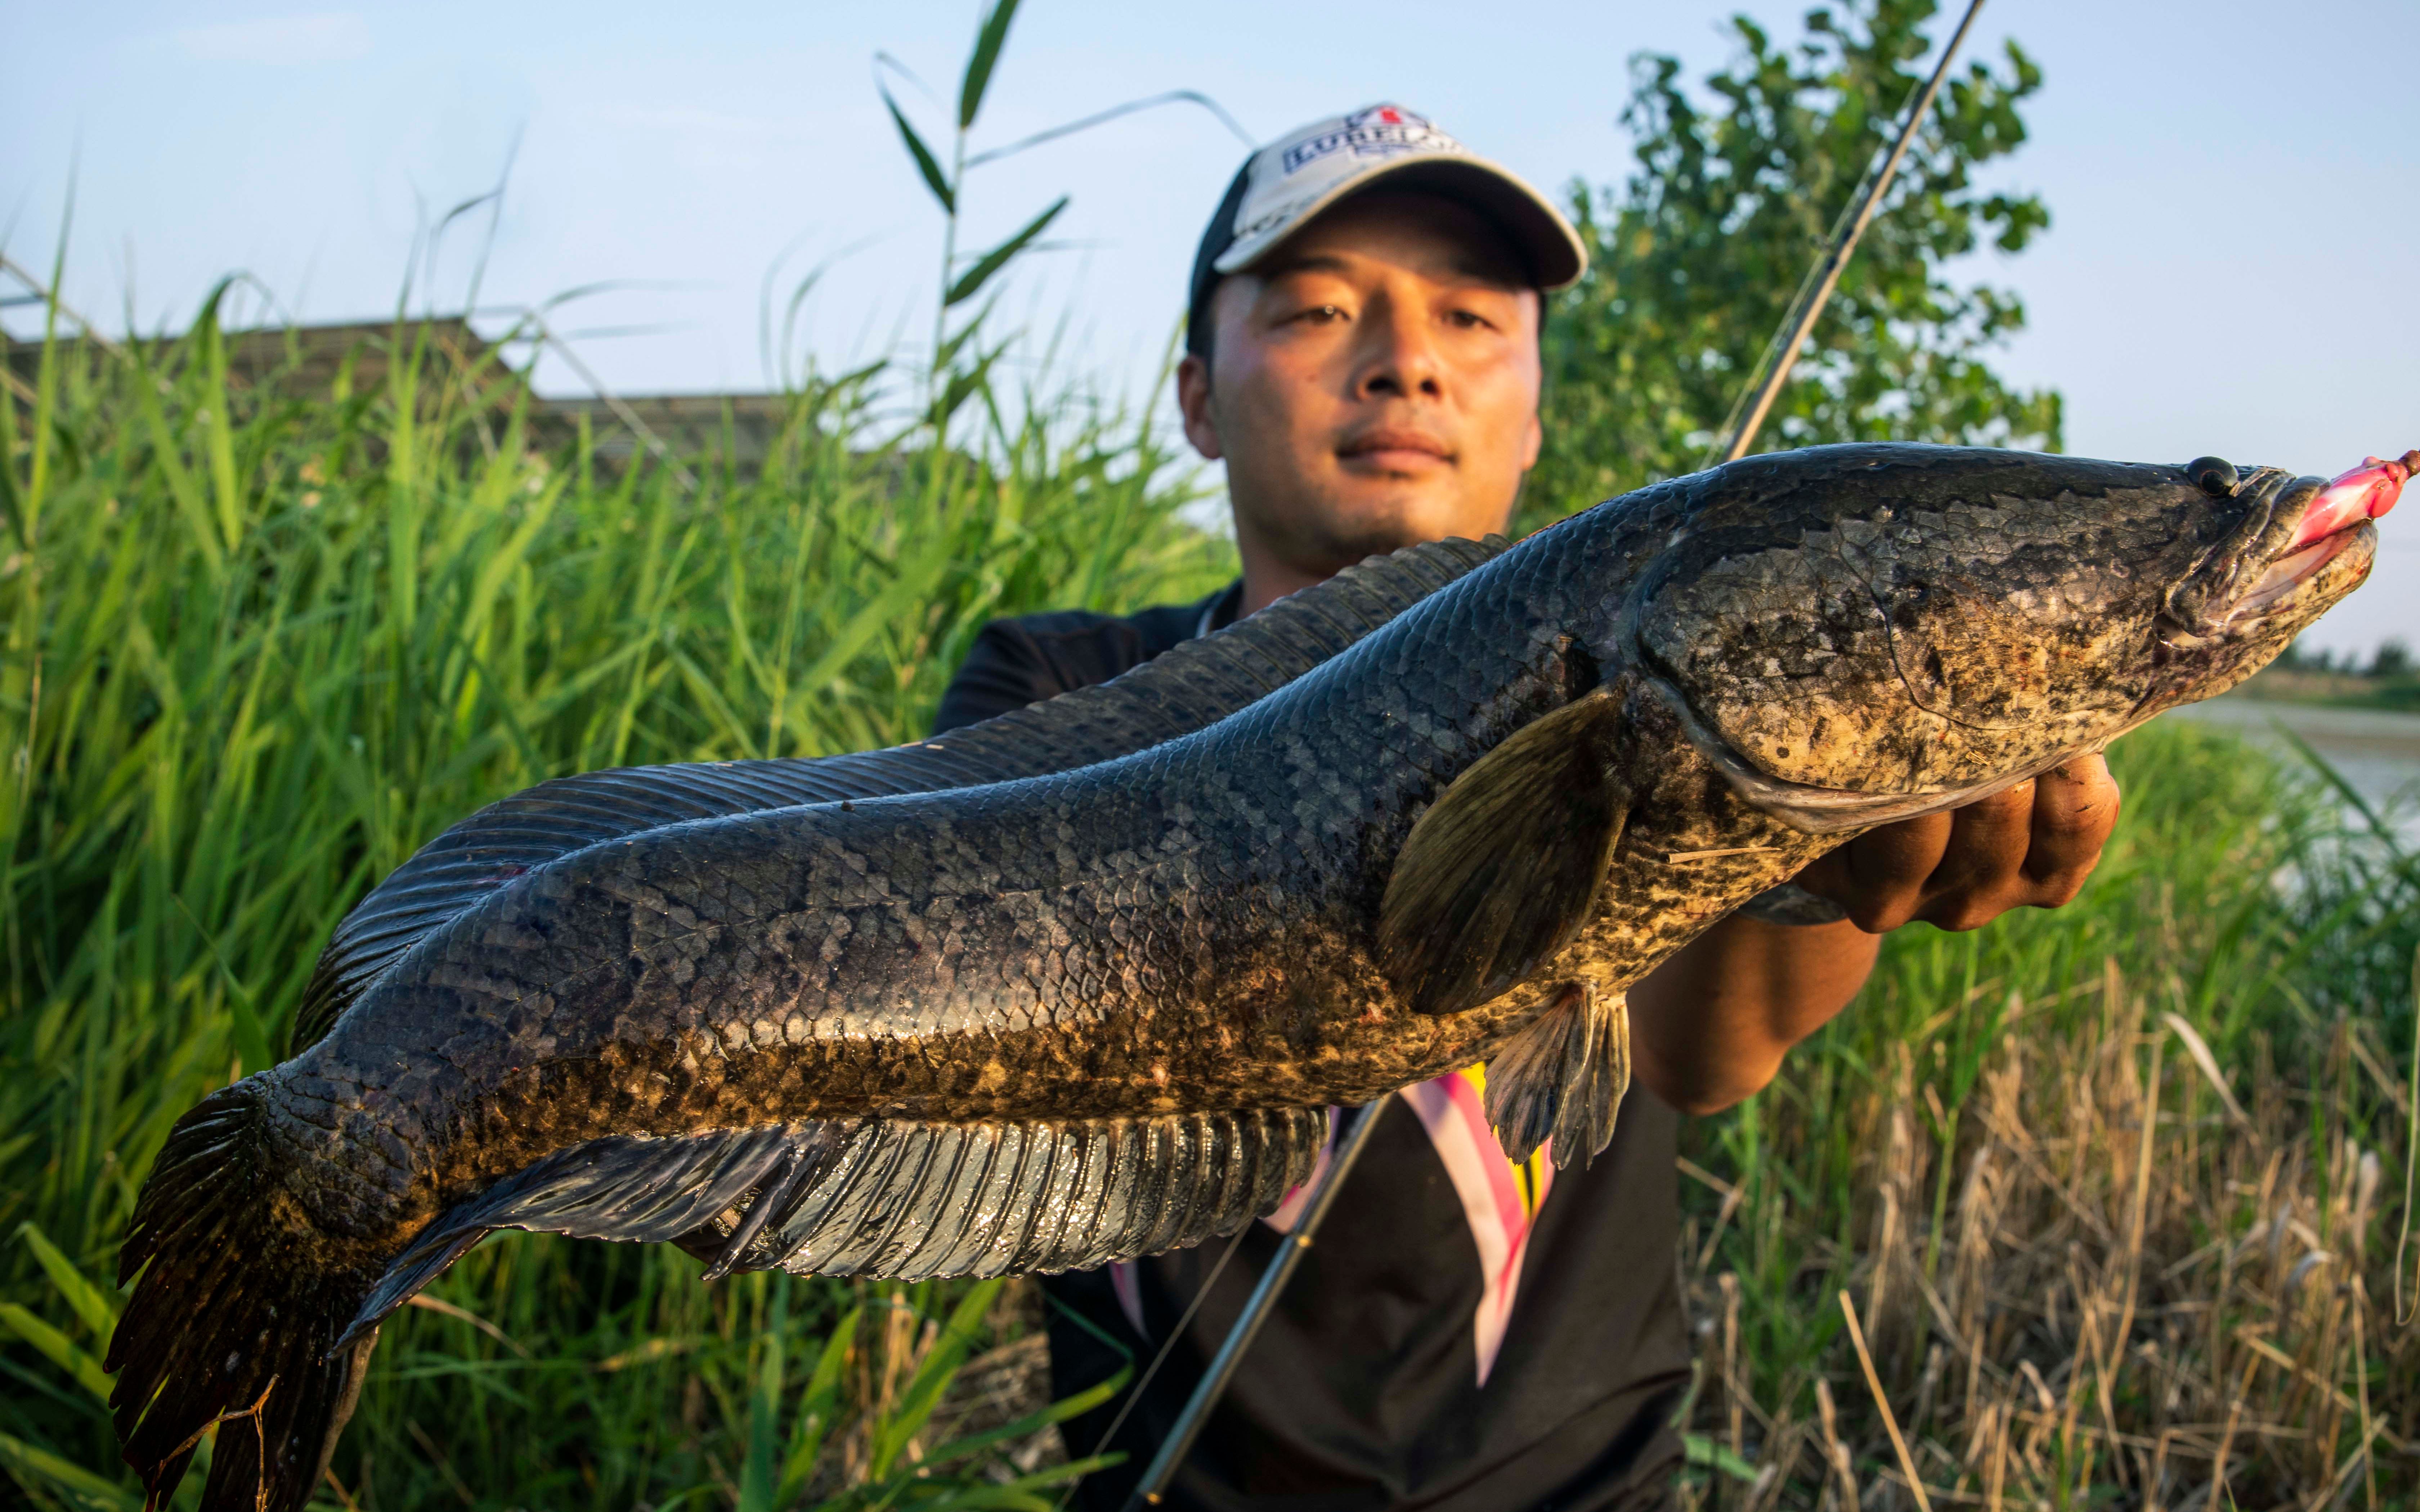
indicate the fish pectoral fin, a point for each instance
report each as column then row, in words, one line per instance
column 1505, row 867
column 1563, row 1076
column 893, row 1198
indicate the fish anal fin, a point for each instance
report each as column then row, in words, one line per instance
column 1562, row 1077
column 1504, row 868
column 809, row 1158
column 899, row 1198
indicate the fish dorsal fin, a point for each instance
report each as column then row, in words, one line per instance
column 897, row 1198
column 1197, row 684
column 1504, row 868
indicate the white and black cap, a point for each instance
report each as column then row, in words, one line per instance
column 1282, row 186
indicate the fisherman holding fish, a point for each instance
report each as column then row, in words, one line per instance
column 1080, row 985
column 1362, row 353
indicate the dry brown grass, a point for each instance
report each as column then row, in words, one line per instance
column 2142, row 1291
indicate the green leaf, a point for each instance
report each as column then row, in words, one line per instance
column 218, row 431
column 986, row 1498
column 252, row 1043
column 57, row 1347
column 1705, row 1452
column 168, row 454
column 41, row 1470
column 962, row 385
column 979, row 66
column 940, row 1366
column 816, row 1411
column 91, row 1303
column 930, row 166
column 756, row 1477
column 996, row 259
column 1058, row 1412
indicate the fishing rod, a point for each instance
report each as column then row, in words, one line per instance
column 1152, row 1488
column 1780, row 356
column 1815, row 291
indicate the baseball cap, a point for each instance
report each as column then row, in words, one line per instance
column 1282, row 186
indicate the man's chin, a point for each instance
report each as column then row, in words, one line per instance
column 1350, row 530
column 1327, row 528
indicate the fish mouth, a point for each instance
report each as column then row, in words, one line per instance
column 2304, row 544
column 2333, row 525
column 2336, row 523
column 2285, row 585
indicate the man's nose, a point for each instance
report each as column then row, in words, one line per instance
column 1401, row 358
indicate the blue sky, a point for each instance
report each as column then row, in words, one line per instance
column 2233, row 266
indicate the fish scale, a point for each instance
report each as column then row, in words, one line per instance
column 1080, row 982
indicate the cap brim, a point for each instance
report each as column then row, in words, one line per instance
column 1556, row 255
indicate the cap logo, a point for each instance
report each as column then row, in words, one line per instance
column 1309, row 169
column 1380, row 131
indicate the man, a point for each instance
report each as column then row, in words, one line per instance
column 1363, row 357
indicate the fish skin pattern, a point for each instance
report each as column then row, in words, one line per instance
column 863, row 1019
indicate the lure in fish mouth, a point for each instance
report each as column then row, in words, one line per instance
column 1079, row 983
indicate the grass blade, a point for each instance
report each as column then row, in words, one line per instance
column 980, row 64
column 38, row 1471
column 924, row 1392
column 91, row 1306
column 818, row 1409
column 993, row 261
column 757, row 1482
column 57, row 1347
column 926, row 164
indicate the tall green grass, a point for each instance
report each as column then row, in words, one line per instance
column 261, row 645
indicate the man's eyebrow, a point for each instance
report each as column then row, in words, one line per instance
column 1477, row 268
column 1489, row 271
column 1308, row 262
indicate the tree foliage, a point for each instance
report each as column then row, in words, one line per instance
column 1735, row 189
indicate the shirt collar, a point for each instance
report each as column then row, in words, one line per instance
column 1219, row 610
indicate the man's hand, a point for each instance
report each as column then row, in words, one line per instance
column 1710, row 1025
column 2031, row 847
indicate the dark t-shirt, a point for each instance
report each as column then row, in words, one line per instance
column 1466, row 1334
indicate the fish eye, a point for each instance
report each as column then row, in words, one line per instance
column 2213, row 475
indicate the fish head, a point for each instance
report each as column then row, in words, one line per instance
column 1858, row 634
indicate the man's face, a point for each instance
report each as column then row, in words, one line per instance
column 1373, row 384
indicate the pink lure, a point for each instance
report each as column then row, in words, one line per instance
column 2367, row 492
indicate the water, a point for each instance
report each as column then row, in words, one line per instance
column 2377, row 752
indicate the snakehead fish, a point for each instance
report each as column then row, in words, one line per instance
column 1079, row 983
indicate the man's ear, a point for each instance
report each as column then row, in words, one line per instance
column 1533, row 439
column 1193, row 401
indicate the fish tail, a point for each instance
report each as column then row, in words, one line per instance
column 233, row 1320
